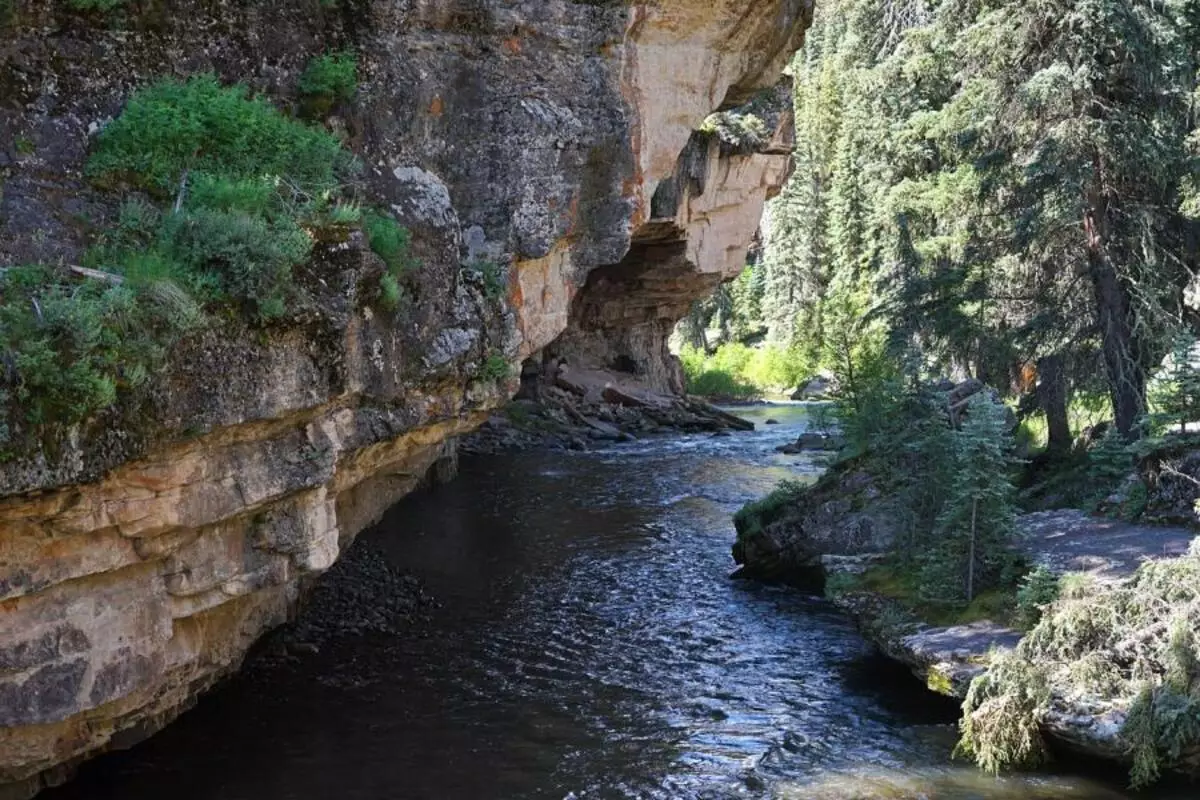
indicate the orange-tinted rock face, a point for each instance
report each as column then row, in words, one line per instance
column 143, row 553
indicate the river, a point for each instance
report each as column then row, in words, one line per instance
column 586, row 642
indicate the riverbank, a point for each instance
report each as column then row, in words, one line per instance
column 840, row 533
column 558, row 622
column 577, row 409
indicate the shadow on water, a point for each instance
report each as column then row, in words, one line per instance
column 587, row 643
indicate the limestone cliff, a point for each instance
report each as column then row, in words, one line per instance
column 142, row 552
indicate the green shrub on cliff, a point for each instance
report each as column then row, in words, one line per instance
column 242, row 258
column 742, row 133
column 68, row 344
column 1133, row 646
column 389, row 241
column 242, row 180
column 96, row 5
column 172, row 128
column 495, row 368
column 234, row 191
column 753, row 517
column 329, row 79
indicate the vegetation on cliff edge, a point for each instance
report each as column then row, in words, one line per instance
column 224, row 196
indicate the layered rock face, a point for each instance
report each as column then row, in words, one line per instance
column 142, row 553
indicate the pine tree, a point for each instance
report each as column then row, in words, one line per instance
column 974, row 531
column 1178, row 387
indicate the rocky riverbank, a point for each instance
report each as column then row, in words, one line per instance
column 840, row 531
column 578, row 408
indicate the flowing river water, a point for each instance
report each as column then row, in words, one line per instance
column 587, row 642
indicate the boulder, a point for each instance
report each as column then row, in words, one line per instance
column 813, row 441
column 843, row 514
column 819, row 387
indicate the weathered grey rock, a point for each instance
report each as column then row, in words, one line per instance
column 843, row 514
column 816, row 388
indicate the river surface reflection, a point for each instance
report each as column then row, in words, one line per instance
column 588, row 643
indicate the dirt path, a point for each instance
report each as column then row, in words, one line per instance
column 1071, row 541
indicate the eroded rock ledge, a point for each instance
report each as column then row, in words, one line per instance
column 142, row 554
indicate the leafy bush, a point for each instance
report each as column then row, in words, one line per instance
column 744, row 133
column 328, row 79
column 495, row 368
column 391, row 294
column 243, row 177
column 718, row 384
column 173, row 127
column 999, row 726
column 1109, row 463
column 491, row 277
column 69, row 344
column 249, row 196
column 390, row 241
column 238, row 183
column 96, row 5
column 737, row 370
column 247, row 259
column 1038, row 589
column 840, row 583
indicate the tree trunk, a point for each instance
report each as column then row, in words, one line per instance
column 1120, row 342
column 971, row 552
column 1052, row 397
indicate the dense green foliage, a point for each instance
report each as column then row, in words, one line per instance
column 950, row 486
column 1175, row 391
column 739, row 132
column 329, row 79
column 171, row 129
column 244, row 178
column 96, row 5
column 739, row 371
column 753, row 517
column 1135, row 644
column 233, row 194
column 490, row 276
column 969, row 547
column 990, row 188
column 70, row 344
column 391, row 242
column 495, row 368
column 1038, row 589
